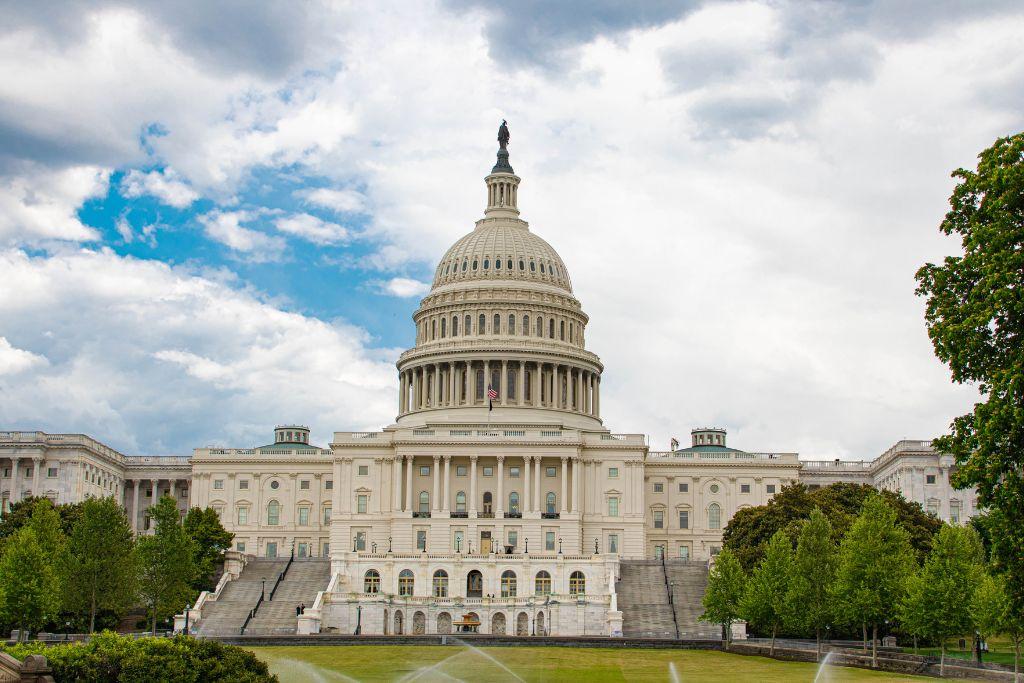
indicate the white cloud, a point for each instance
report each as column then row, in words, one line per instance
column 166, row 186
column 316, row 230
column 226, row 228
column 40, row 204
column 13, row 361
column 340, row 201
column 402, row 287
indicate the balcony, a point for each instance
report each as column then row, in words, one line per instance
column 485, row 515
column 549, row 515
column 421, row 515
column 513, row 515
column 460, row 515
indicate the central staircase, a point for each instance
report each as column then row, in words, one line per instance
column 648, row 610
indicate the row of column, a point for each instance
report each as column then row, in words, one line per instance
column 137, row 485
column 440, row 499
column 16, row 483
column 449, row 384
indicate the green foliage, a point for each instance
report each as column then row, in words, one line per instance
column 764, row 603
column 101, row 563
column 211, row 540
column 993, row 614
column 21, row 511
column 166, row 563
column 808, row 599
column 875, row 559
column 726, row 585
column 109, row 657
column 975, row 319
column 750, row 529
column 29, row 588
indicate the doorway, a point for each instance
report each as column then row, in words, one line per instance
column 485, row 542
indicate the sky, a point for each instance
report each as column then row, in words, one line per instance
column 218, row 217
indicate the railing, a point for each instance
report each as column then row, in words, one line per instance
column 485, row 515
column 781, row 458
column 280, row 577
column 251, row 615
column 421, row 515
column 460, row 515
column 549, row 515
column 513, row 515
column 669, row 591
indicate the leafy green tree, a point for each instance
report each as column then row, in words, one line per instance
column 166, row 563
column 764, row 602
column 975, row 319
column 21, row 511
column 726, row 585
column 993, row 614
column 211, row 539
column 29, row 591
column 875, row 559
column 909, row 611
column 808, row 598
column 102, row 567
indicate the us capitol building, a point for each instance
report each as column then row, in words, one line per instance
column 497, row 491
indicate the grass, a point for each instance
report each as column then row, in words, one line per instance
column 993, row 656
column 593, row 665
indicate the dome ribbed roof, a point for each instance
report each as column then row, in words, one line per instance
column 502, row 251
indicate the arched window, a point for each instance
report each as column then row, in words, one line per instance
column 561, row 330
column 541, row 266
column 577, row 583
column 497, row 263
column 522, row 266
column 511, row 324
column 474, row 584
column 444, row 323
column 469, row 325
column 497, row 324
column 424, row 501
column 533, row 267
column 406, row 582
column 551, row 328
column 540, row 326
column 433, row 330
column 571, row 326
column 513, row 502
column 526, row 325
column 464, row 263
column 542, row 584
column 455, row 326
column 488, row 502
column 508, row 584
column 481, row 325
column 273, row 513
column 510, row 264
column 371, row 581
column 474, row 264
column 550, row 503
column 487, row 264
column 714, row 516
column 460, row 501
column 440, row 584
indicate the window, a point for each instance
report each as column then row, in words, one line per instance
column 360, row 542
column 511, row 324
column 328, row 484
column 561, row 330
column 513, row 502
column 508, row 584
column 577, row 583
column 240, row 546
column 549, row 540
column 440, row 584
column 714, row 488
column 684, row 488
column 218, row 484
column 526, row 325
column 481, row 324
column 459, row 540
column 243, row 484
column 327, row 515
column 304, row 485
column 659, row 487
column 444, row 327
column 659, row 519
column 542, row 584
column 424, row 470
column 613, row 472
column 361, row 504
column 513, row 472
column 540, row 326
column 406, row 582
column 929, row 479
column 613, row 507
column 273, row 513
column 371, row 582
column 770, row 488
column 272, row 549
column 364, row 470
column 51, row 472
column 275, row 484
column 954, row 511
column 243, row 516
column 303, row 516
column 424, row 501
column 455, row 326
column 469, row 323
column 684, row 552
column 460, row 470
column 549, row 502
column 421, row 540
column 513, row 538
column 684, row 519
column 551, row 328
column 488, row 471
column 549, row 472
column 613, row 543
column 714, row 516
column 487, row 502
column 744, row 488
column 497, row 324
column 460, row 501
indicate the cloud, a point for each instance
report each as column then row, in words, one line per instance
column 340, row 201
column 226, row 227
column 39, row 204
column 316, row 230
column 155, row 359
column 401, row 287
column 13, row 361
column 165, row 185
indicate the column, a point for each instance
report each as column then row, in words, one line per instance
column 435, row 394
column 487, row 378
column 499, row 504
column 396, row 483
column 526, row 485
column 565, row 482
column 521, row 388
column 579, row 391
column 437, row 484
column 335, row 492
column 451, row 384
column 587, row 395
column 135, row 504
column 538, row 495
column 229, row 511
column 503, row 395
column 401, row 390
column 552, row 396
column 597, row 396
column 37, row 464
column 409, row 462
column 472, row 486
column 170, row 490
column 535, row 386
column 15, row 487
column 447, row 482
column 575, row 485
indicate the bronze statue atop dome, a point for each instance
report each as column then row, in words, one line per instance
column 503, row 134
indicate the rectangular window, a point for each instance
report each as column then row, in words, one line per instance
column 218, row 484
column 659, row 519
column 303, row 516
column 684, row 488
column 613, row 543
column 488, row 471
column 240, row 546
column 929, row 479
column 715, row 550
column 684, row 552
column 613, row 472
column 513, row 537
column 273, row 514
column 659, row 487
column 328, row 484
column 513, row 472
column 304, row 485
column 271, row 549
column 744, row 488
column 327, row 515
column 360, row 540
column 7, row 473
column 51, row 472
column 460, row 470
column 424, row 470
column 421, row 540
column 549, row 540
column 364, row 470
column 613, row 507
column 684, row 519
column 327, row 550
column 243, row 484
column 243, row 516
column 361, row 504
column 549, row 471
column 770, row 488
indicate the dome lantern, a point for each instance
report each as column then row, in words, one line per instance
column 502, row 183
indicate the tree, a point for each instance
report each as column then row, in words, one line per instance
column 211, row 539
column 19, row 513
column 29, row 593
column 993, row 614
column 975, row 319
column 813, row 570
column 875, row 559
column 764, row 602
column 101, row 563
column 724, row 593
column 166, row 562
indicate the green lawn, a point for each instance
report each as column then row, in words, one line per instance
column 995, row 655
column 436, row 663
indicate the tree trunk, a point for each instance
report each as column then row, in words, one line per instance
column 771, row 648
column 942, row 658
column 915, row 644
column 864, row 636
column 817, row 642
column 92, row 612
column 154, row 618
column 874, row 646
column 1016, row 661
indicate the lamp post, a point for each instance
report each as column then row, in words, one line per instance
column 596, row 551
column 373, row 547
column 188, row 606
column 527, row 546
column 359, row 620
column 263, row 589
column 389, row 544
column 559, row 545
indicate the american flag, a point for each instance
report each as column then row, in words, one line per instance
column 491, row 396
